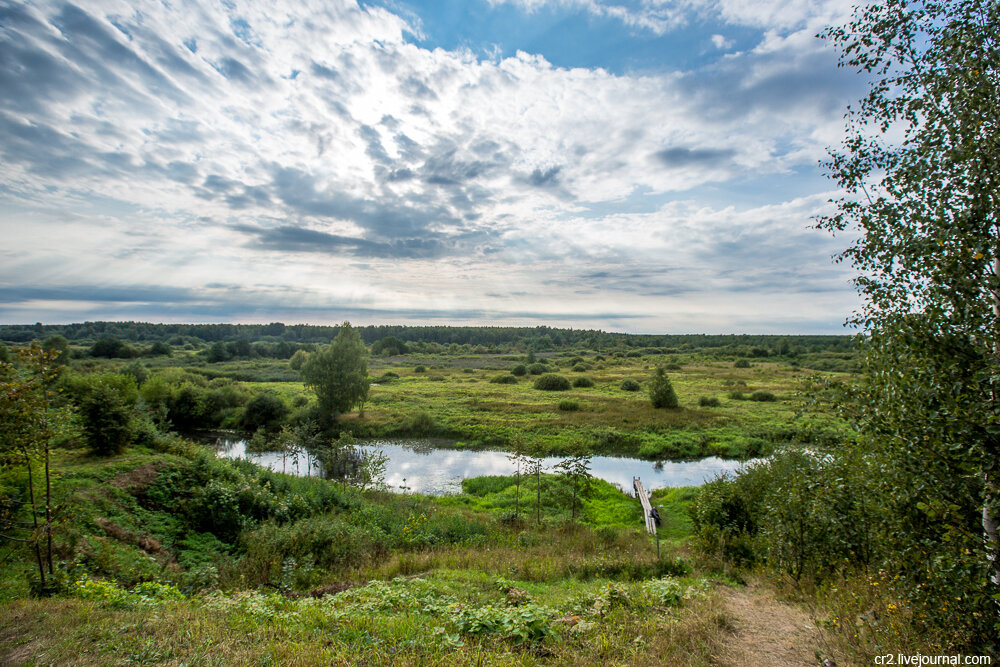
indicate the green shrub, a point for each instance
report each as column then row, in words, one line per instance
column 422, row 423
column 106, row 413
column 519, row 370
column 672, row 366
column 551, row 382
column 583, row 382
column 504, row 379
column 741, row 363
column 264, row 411
column 581, row 368
column 420, row 369
column 387, row 377
column 525, row 624
column 667, row 592
column 763, row 396
column 569, row 405
column 435, row 378
column 538, row 368
column 630, row 385
column 709, row 402
column 737, row 395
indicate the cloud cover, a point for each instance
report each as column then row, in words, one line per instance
column 315, row 162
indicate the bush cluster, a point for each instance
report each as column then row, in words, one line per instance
column 630, row 385
column 551, row 382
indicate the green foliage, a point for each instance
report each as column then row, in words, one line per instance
column 137, row 370
column 160, row 349
column 106, row 413
column 519, row 370
column 917, row 168
column 630, row 385
column 390, row 346
column 339, row 373
column 420, row 368
column 800, row 513
column 264, row 411
column 661, row 391
column 422, row 423
column 504, row 379
column 668, row 592
column 583, row 382
column 106, row 593
column 576, row 470
column 112, row 348
column 523, row 624
column 762, row 396
column 708, row 402
column 551, row 382
column 538, row 368
column 741, row 363
column 298, row 360
column 569, row 405
column 59, row 347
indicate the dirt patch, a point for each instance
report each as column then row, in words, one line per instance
column 136, row 481
column 766, row 631
column 333, row 589
column 148, row 544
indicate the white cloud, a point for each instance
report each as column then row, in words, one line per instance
column 214, row 143
column 721, row 43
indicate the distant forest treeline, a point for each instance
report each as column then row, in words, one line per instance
column 538, row 338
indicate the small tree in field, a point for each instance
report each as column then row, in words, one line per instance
column 576, row 469
column 661, row 392
column 339, row 374
column 27, row 425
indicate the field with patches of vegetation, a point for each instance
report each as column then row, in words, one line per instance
column 162, row 553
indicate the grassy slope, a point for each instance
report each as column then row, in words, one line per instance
column 456, row 603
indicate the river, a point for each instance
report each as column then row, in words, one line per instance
column 423, row 466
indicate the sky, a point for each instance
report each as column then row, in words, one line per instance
column 643, row 166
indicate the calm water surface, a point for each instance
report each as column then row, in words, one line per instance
column 427, row 467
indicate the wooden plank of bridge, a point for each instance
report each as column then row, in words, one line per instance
column 647, row 509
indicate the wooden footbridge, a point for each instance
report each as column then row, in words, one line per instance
column 647, row 509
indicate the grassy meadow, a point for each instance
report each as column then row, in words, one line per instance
column 457, row 397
